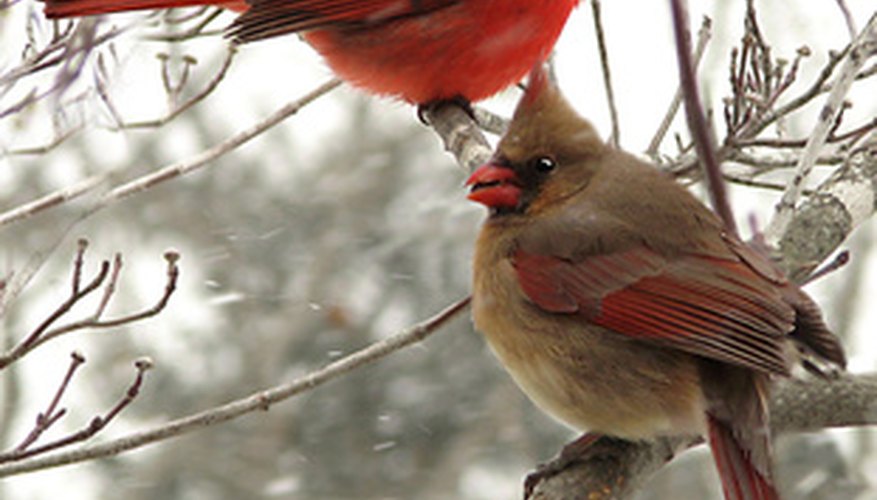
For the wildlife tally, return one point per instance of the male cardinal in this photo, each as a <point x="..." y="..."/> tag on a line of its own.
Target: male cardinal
<point x="621" y="305"/>
<point x="422" y="51"/>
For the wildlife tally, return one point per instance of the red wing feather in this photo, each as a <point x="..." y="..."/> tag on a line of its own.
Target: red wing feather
<point x="55" y="9"/>
<point x="712" y="307"/>
<point x="740" y="479"/>
<point x="268" y="18"/>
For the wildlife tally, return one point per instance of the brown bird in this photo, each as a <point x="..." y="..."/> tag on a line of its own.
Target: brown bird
<point x="620" y="304"/>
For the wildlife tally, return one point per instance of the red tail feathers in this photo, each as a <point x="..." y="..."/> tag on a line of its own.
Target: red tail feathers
<point x="75" y="8"/>
<point x="740" y="479"/>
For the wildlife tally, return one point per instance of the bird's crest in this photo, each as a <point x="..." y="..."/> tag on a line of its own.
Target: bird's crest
<point x="538" y="84"/>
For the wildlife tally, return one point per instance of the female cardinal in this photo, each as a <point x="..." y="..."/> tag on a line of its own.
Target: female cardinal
<point x="421" y="51"/>
<point x="618" y="302"/>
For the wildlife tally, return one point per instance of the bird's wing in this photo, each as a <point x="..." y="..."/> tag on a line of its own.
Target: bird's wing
<point x="55" y="9"/>
<point x="268" y="18"/>
<point x="713" y="306"/>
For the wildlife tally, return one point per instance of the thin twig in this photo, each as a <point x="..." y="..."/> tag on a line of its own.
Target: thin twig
<point x="261" y="400"/>
<point x="848" y="18"/>
<point x="165" y="173"/>
<point x="44" y="148"/>
<point x="33" y="339"/>
<point x="750" y="182"/>
<point x="195" y="31"/>
<point x="94" y="321"/>
<point x="182" y="108"/>
<point x="44" y="333"/>
<point x="48" y="417"/>
<point x="842" y="259"/>
<point x="852" y="134"/>
<point x="703" y="37"/>
<point x="615" y="138"/>
<point x="96" y="424"/>
<point x="697" y="124"/>
<point x="768" y="163"/>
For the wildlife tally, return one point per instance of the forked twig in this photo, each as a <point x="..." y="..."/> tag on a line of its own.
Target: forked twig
<point x="96" y="424"/>
<point x="45" y="332"/>
<point x="863" y="47"/>
<point x="258" y="401"/>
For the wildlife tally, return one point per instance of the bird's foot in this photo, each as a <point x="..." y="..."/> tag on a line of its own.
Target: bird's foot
<point x="570" y="454"/>
<point x="427" y="108"/>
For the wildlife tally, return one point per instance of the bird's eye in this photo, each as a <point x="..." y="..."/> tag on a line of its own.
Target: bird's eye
<point x="544" y="164"/>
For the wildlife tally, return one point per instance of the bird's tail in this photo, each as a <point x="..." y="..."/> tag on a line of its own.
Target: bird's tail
<point x="55" y="9"/>
<point x="741" y="480"/>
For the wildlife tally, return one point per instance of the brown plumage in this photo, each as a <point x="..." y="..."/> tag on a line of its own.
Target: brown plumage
<point x="619" y="304"/>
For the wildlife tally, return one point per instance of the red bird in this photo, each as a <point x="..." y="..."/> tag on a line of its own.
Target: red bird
<point x="422" y="51"/>
<point x="619" y="303"/>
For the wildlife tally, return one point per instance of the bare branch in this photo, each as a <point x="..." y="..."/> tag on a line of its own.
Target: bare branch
<point x="848" y="18"/>
<point x="199" y="29"/>
<point x="51" y="415"/>
<point x="615" y="469"/>
<point x="491" y="122"/>
<point x="261" y="400"/>
<point x="44" y="332"/>
<point x="460" y="134"/>
<point x="615" y="138"/>
<point x="840" y="204"/>
<point x="697" y="124"/>
<point x="179" y="109"/>
<point x="97" y="423"/>
<point x="165" y="173"/>
<point x="864" y="47"/>
<point x="851" y="135"/>
<point x="703" y="37"/>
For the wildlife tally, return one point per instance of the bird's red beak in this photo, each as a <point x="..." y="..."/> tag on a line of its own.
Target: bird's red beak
<point x="495" y="186"/>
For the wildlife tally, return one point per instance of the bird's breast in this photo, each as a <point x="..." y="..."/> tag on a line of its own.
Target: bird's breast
<point x="582" y="374"/>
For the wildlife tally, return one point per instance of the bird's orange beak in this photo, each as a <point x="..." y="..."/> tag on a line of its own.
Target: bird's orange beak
<point x="495" y="186"/>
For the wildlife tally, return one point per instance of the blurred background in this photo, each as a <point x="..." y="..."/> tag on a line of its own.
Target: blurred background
<point x="339" y="227"/>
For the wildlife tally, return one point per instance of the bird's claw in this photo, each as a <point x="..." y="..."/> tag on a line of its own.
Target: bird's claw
<point x="427" y="108"/>
<point x="570" y="454"/>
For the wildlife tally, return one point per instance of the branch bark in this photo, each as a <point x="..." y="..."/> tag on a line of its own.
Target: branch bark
<point x="863" y="48"/>
<point x="841" y="203"/>
<point x="616" y="469"/>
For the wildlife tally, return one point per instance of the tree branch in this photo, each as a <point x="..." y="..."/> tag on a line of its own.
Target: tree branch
<point x="864" y="47"/>
<point x="703" y="37"/>
<point x="261" y="400"/>
<point x="615" y="137"/>
<point x="841" y="203"/>
<point x="165" y="173"/>
<point x="460" y="135"/>
<point x="616" y="468"/>
<point x="700" y="130"/>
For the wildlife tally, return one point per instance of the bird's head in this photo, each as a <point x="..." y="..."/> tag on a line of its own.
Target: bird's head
<point x="548" y="154"/>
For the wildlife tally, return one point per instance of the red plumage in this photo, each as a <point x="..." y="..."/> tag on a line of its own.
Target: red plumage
<point x="417" y="50"/>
